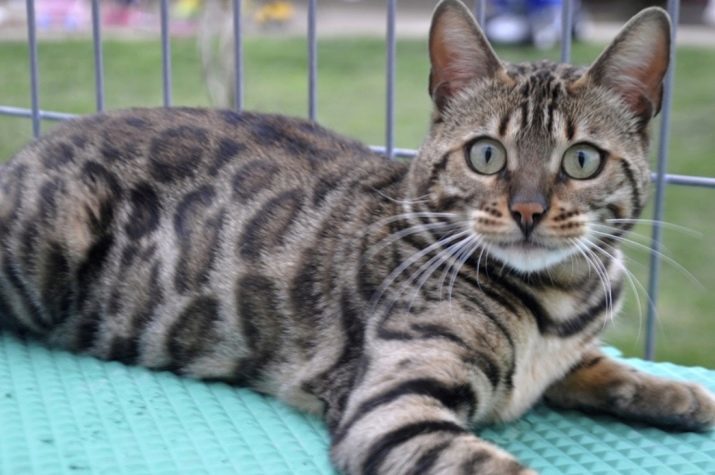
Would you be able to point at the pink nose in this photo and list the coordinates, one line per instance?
(527, 215)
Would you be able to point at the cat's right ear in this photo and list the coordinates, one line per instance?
(634, 64)
(459, 52)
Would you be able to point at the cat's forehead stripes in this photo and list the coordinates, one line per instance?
(536, 105)
(542, 86)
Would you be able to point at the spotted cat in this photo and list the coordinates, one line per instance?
(404, 302)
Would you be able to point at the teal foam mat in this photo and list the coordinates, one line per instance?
(67, 414)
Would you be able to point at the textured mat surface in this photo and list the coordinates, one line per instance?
(67, 414)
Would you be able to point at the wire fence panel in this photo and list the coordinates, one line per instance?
(566, 30)
(660, 181)
(660, 177)
(312, 61)
(237, 56)
(165, 51)
(34, 73)
(98, 56)
(390, 74)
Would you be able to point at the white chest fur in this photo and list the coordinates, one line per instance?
(540, 362)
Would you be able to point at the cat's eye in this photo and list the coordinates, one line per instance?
(582, 161)
(486, 156)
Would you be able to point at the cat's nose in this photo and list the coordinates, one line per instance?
(527, 214)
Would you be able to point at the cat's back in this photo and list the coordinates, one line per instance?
(147, 157)
(175, 146)
(145, 235)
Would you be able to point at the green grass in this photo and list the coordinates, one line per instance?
(351, 92)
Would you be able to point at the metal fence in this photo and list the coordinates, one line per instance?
(660, 177)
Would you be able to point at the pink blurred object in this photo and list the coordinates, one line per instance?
(71, 15)
(125, 13)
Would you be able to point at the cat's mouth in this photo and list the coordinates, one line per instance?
(527, 255)
(526, 245)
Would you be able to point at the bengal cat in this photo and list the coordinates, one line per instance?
(405, 302)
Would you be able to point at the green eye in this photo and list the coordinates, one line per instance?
(582, 161)
(486, 156)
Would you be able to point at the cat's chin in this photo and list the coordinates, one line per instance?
(529, 258)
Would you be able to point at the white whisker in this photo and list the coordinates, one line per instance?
(642, 238)
(411, 215)
(396, 236)
(664, 224)
(600, 270)
(465, 246)
(417, 199)
(428, 268)
(479, 261)
(460, 263)
(665, 257)
(390, 279)
(633, 282)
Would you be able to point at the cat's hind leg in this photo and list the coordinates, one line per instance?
(599, 383)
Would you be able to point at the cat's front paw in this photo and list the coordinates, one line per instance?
(670, 404)
(698, 409)
(472, 456)
(462, 455)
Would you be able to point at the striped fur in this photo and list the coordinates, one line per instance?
(404, 302)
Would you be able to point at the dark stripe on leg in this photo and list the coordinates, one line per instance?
(56, 284)
(88, 274)
(475, 464)
(34, 312)
(381, 449)
(126, 348)
(425, 463)
(193, 333)
(8, 318)
(451, 397)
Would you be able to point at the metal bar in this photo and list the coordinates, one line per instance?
(396, 152)
(685, 180)
(165, 52)
(237, 56)
(22, 112)
(34, 73)
(312, 62)
(98, 56)
(567, 12)
(391, 47)
(480, 11)
(659, 199)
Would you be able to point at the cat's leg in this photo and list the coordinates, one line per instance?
(599, 383)
(409, 415)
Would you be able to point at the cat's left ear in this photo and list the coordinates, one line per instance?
(459, 52)
(635, 63)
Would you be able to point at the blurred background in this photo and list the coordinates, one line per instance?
(351, 99)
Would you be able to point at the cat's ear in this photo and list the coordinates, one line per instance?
(459, 51)
(634, 64)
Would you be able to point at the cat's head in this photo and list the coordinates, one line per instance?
(539, 159)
